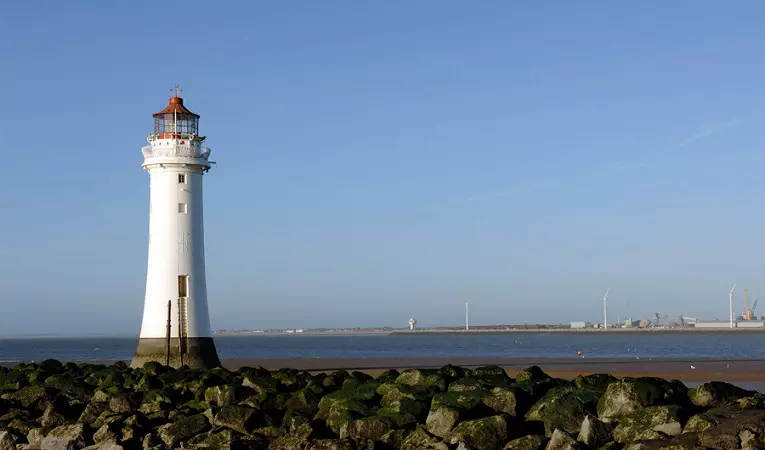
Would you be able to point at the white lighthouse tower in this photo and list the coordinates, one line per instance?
(176, 323)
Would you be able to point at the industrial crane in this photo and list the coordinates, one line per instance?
(748, 313)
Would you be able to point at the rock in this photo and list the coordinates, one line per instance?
(152, 441)
(223, 440)
(653, 422)
(35, 436)
(447, 408)
(155, 401)
(391, 393)
(451, 373)
(509, 400)
(225, 394)
(332, 444)
(563, 408)
(756, 401)
(419, 439)
(108, 432)
(174, 433)
(304, 401)
(65, 437)
(298, 439)
(481, 434)
(627, 396)
(530, 442)
(373, 428)
(405, 412)
(532, 374)
(700, 422)
(7, 440)
(595, 381)
(422, 377)
(237, 418)
(594, 432)
(560, 440)
(28, 397)
(104, 446)
(716, 393)
(389, 376)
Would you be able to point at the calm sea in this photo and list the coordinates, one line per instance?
(508, 345)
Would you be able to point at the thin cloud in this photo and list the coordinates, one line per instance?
(707, 132)
(619, 166)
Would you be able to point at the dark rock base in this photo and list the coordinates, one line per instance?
(199, 353)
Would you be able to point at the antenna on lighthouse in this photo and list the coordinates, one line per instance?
(605, 309)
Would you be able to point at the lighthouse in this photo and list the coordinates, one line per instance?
(176, 323)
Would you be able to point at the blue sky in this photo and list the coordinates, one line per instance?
(378, 160)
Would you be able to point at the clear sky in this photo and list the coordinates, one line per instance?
(381, 160)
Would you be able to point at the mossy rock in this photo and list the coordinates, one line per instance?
(373, 428)
(468, 383)
(653, 422)
(533, 374)
(29, 397)
(716, 393)
(65, 436)
(420, 439)
(509, 400)
(392, 393)
(626, 396)
(595, 381)
(263, 384)
(155, 401)
(297, 439)
(422, 377)
(237, 418)
(174, 433)
(594, 432)
(448, 408)
(304, 401)
(388, 376)
(528, 442)
(291, 379)
(560, 440)
(488, 433)
(564, 409)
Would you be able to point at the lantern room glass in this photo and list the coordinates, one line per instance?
(176, 124)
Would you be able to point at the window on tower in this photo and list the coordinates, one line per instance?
(182, 208)
(181, 177)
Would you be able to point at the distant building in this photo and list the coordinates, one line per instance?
(581, 325)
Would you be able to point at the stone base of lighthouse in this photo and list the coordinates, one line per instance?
(199, 352)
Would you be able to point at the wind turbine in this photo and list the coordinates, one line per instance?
(466, 315)
(605, 309)
(730, 297)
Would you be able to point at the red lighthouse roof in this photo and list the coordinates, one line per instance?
(176, 106)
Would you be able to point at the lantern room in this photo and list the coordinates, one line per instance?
(175, 121)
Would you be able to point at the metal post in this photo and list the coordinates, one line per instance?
(180, 332)
(169, 308)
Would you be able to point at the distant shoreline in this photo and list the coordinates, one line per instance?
(487, 331)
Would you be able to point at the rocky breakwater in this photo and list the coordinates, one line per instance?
(75, 406)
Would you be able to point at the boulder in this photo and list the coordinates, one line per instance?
(224, 440)
(392, 392)
(35, 436)
(304, 401)
(448, 408)
(563, 408)
(509, 400)
(107, 433)
(560, 440)
(627, 396)
(716, 393)
(237, 418)
(700, 422)
(174, 433)
(653, 422)
(389, 376)
(595, 381)
(488, 433)
(65, 437)
(529, 442)
(405, 411)
(227, 394)
(422, 377)
(298, 439)
(28, 397)
(373, 428)
(7, 440)
(420, 439)
(594, 432)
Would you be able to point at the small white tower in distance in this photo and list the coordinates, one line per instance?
(412, 323)
(176, 324)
